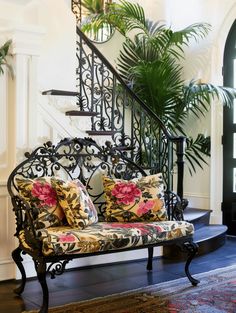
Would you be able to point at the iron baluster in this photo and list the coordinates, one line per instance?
(180, 151)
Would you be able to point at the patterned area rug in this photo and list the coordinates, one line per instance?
(216, 293)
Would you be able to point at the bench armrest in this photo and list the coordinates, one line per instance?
(175, 206)
(24, 215)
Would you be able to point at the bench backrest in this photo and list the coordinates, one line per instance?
(81, 158)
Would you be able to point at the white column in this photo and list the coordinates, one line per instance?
(18, 128)
(26, 50)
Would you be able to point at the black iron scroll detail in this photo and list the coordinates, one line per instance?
(56, 269)
(191, 248)
(175, 206)
(130, 121)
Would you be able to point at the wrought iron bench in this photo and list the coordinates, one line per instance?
(52, 241)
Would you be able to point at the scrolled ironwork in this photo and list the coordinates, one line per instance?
(76, 9)
(192, 249)
(56, 269)
(175, 205)
(80, 158)
(119, 110)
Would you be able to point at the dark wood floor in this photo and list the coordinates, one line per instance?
(94, 282)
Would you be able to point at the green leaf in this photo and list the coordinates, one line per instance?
(4, 54)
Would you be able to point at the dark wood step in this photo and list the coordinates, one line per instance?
(208, 238)
(198, 217)
(56, 92)
(124, 148)
(80, 113)
(101, 132)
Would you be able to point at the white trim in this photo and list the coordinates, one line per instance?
(196, 195)
(22, 129)
(4, 121)
(216, 178)
(6, 261)
(26, 39)
(197, 200)
(59, 122)
(7, 271)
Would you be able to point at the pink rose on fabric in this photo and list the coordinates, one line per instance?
(126, 193)
(45, 193)
(144, 207)
(66, 238)
(159, 228)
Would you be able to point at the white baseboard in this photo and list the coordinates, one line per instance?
(7, 270)
(201, 201)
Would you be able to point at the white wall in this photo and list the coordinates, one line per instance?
(44, 58)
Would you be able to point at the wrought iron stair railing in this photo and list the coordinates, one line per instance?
(115, 110)
(121, 114)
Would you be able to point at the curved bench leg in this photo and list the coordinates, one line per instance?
(191, 248)
(41, 269)
(16, 256)
(150, 257)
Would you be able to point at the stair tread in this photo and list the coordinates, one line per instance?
(101, 132)
(209, 232)
(80, 113)
(56, 92)
(193, 214)
(208, 238)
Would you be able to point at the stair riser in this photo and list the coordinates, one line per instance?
(170, 252)
(202, 221)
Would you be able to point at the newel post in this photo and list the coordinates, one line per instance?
(180, 152)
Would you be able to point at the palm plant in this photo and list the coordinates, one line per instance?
(4, 53)
(150, 63)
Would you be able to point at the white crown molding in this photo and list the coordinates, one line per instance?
(26, 39)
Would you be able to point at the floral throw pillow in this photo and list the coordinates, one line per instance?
(40, 193)
(76, 203)
(135, 200)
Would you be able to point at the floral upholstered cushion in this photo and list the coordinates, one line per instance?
(40, 193)
(135, 200)
(104, 236)
(76, 203)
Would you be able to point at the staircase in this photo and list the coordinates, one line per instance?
(116, 114)
(208, 237)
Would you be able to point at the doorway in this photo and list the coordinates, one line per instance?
(229, 136)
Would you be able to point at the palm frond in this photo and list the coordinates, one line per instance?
(198, 96)
(155, 27)
(133, 14)
(93, 6)
(194, 31)
(196, 152)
